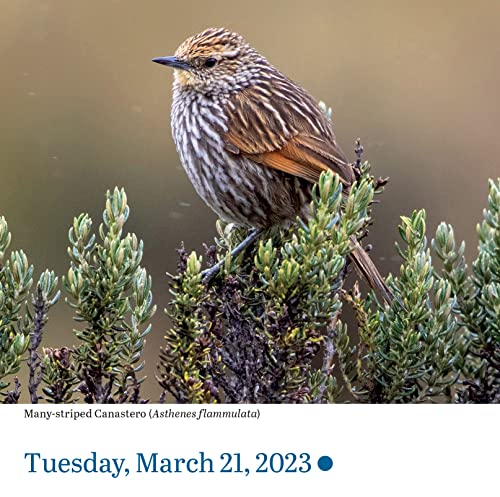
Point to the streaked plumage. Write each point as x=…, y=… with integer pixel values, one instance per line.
x=251, y=140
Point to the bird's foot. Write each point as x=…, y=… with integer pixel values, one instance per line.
x=210, y=272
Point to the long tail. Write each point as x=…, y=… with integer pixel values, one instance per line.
x=367, y=270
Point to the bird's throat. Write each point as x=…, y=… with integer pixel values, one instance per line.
x=184, y=78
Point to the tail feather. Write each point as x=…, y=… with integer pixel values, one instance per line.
x=367, y=270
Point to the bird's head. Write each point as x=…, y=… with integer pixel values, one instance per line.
x=215, y=61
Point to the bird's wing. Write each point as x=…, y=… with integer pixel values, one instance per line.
x=288, y=134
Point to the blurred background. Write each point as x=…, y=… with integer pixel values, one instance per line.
x=84, y=109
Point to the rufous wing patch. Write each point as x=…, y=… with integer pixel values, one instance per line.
x=272, y=135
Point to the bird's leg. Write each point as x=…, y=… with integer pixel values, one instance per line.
x=209, y=273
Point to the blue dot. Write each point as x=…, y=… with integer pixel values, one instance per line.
x=325, y=463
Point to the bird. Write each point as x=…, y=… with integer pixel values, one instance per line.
x=252, y=142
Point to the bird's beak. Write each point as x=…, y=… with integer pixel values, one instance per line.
x=172, y=62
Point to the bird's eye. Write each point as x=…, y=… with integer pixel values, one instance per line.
x=210, y=62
